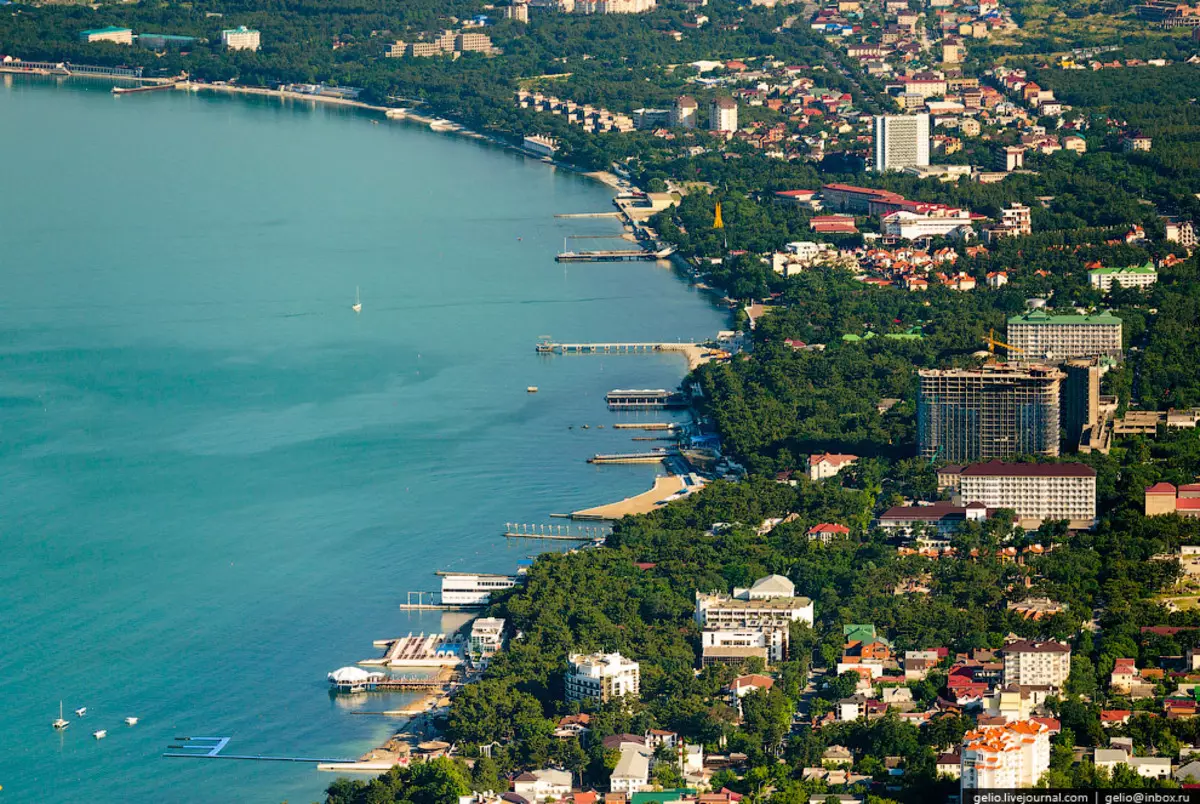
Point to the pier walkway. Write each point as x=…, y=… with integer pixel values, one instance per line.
x=696, y=354
x=561, y=533
x=614, y=255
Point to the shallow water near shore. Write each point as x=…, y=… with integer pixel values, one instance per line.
x=216, y=481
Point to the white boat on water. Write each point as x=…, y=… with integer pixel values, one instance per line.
x=131, y=721
x=81, y=711
x=101, y=734
x=357, y=306
x=61, y=723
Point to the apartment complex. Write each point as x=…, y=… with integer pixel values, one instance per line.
x=990, y=412
x=684, y=112
x=601, y=676
x=1131, y=276
x=769, y=607
x=1081, y=398
x=241, y=38
x=121, y=36
x=723, y=114
x=1045, y=336
x=1034, y=663
x=1038, y=492
x=445, y=42
x=901, y=141
x=1005, y=757
x=487, y=637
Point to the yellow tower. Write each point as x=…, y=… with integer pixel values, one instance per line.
x=717, y=222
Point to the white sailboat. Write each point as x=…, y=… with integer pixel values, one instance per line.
x=101, y=734
x=131, y=721
x=61, y=723
x=357, y=306
x=81, y=711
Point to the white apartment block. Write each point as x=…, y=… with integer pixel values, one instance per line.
x=1017, y=218
x=769, y=606
x=916, y=226
x=1045, y=336
x=1033, y=663
x=1131, y=276
x=901, y=141
x=736, y=645
x=723, y=115
x=602, y=676
x=614, y=6
x=1005, y=757
x=487, y=636
x=1037, y=492
x=632, y=773
x=241, y=38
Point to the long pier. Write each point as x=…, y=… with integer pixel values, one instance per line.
x=613, y=255
x=630, y=457
x=561, y=533
x=547, y=347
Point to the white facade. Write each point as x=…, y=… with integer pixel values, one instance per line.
x=1044, y=336
x=1005, y=757
x=602, y=676
x=542, y=146
x=487, y=636
x=1031, y=663
x=767, y=608
x=914, y=226
x=683, y=113
x=828, y=465
x=1130, y=277
x=541, y=785
x=723, y=115
x=901, y=141
x=1037, y=492
x=241, y=38
x=473, y=589
x=632, y=773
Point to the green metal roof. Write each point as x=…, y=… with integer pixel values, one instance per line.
x=1042, y=317
x=663, y=796
x=1148, y=268
x=109, y=29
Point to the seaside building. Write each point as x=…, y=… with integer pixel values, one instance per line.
x=121, y=36
x=990, y=412
x=769, y=607
x=1038, y=492
x=1005, y=757
x=241, y=38
x=1131, y=276
x=1045, y=336
x=473, y=588
x=1035, y=663
x=487, y=637
x=601, y=676
x=901, y=141
x=723, y=114
x=540, y=145
x=684, y=112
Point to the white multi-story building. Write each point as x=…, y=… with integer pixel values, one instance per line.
x=122, y=36
x=473, y=588
x=769, y=607
x=1180, y=231
x=1131, y=276
x=1016, y=218
x=723, y=114
x=601, y=676
x=1044, y=336
x=540, y=145
x=917, y=225
x=1038, y=492
x=487, y=636
x=1034, y=663
x=1005, y=757
x=684, y=112
x=828, y=464
x=548, y=784
x=241, y=38
x=518, y=10
x=901, y=141
x=632, y=773
x=736, y=645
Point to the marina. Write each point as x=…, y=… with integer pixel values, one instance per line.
x=644, y=399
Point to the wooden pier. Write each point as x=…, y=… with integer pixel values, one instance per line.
x=646, y=426
x=614, y=255
x=560, y=533
x=211, y=747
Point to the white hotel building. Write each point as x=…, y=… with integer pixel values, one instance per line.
x=1038, y=492
x=241, y=38
x=1005, y=757
x=769, y=607
x=602, y=676
x=473, y=588
x=901, y=141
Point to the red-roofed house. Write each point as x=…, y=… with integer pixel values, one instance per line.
x=828, y=465
x=827, y=532
x=1114, y=717
x=1163, y=498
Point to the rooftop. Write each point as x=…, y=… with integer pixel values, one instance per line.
x=1001, y=469
x=1051, y=319
x=1148, y=268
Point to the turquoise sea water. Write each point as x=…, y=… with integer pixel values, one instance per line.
x=216, y=481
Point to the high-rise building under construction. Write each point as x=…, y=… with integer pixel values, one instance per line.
x=994, y=411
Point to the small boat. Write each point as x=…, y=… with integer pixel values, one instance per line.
x=101, y=734
x=357, y=306
x=131, y=721
x=81, y=711
x=61, y=723
x=531, y=389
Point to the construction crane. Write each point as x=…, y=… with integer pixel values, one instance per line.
x=992, y=343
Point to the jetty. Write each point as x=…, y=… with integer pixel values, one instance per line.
x=211, y=748
x=424, y=650
x=614, y=255
x=612, y=214
x=696, y=354
x=646, y=426
x=658, y=456
x=644, y=399
x=562, y=533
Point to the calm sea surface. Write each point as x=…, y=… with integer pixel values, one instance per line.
x=216, y=481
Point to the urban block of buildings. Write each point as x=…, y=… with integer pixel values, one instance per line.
x=593, y=119
x=1037, y=492
x=112, y=33
x=447, y=42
